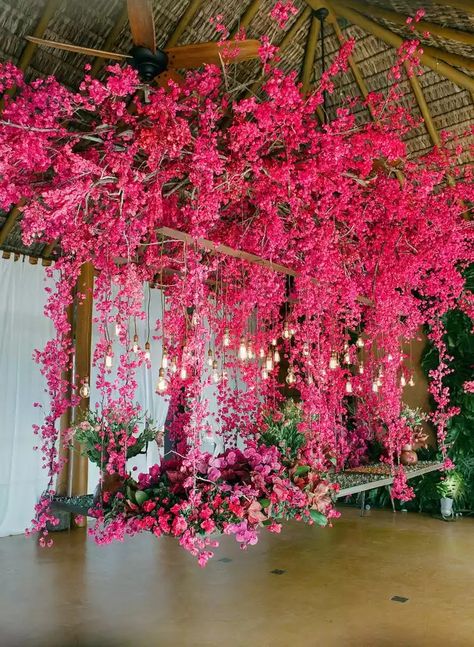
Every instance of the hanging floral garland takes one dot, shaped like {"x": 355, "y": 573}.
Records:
{"x": 376, "y": 243}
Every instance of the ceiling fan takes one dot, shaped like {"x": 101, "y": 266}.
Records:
{"x": 157, "y": 64}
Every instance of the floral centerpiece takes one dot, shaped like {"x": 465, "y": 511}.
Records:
{"x": 236, "y": 492}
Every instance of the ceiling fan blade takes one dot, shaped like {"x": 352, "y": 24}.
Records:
{"x": 169, "y": 75}
{"x": 229, "y": 51}
{"x": 142, "y": 23}
{"x": 88, "y": 51}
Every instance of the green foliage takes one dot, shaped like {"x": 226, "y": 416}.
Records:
{"x": 452, "y": 486}
{"x": 460, "y": 345}
{"x": 97, "y": 435}
{"x": 282, "y": 430}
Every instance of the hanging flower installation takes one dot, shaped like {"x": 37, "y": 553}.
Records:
{"x": 375, "y": 244}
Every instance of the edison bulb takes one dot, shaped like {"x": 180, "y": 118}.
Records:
{"x": 269, "y": 363}
{"x": 215, "y": 377}
{"x": 118, "y": 329}
{"x": 261, "y": 353}
{"x": 348, "y": 387}
{"x": 250, "y": 353}
{"x": 360, "y": 342}
{"x": 264, "y": 373}
{"x": 361, "y": 369}
{"x": 162, "y": 384}
{"x": 135, "y": 344}
{"x": 164, "y": 359}
{"x": 390, "y": 357}
{"x": 375, "y": 387}
{"x": 333, "y": 363}
{"x": 286, "y": 331}
{"x": 403, "y": 381}
{"x": 195, "y": 319}
{"x": 173, "y": 366}
{"x": 147, "y": 351}
{"x": 243, "y": 349}
{"x": 226, "y": 338}
{"x": 276, "y": 356}
{"x": 108, "y": 357}
{"x": 306, "y": 349}
{"x": 85, "y": 391}
{"x": 274, "y": 341}
{"x": 183, "y": 374}
{"x": 347, "y": 358}
{"x": 310, "y": 380}
{"x": 224, "y": 376}
{"x": 209, "y": 357}
{"x": 411, "y": 381}
{"x": 290, "y": 378}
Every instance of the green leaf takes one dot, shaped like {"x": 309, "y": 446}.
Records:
{"x": 302, "y": 470}
{"x": 319, "y": 518}
{"x": 264, "y": 502}
{"x": 141, "y": 497}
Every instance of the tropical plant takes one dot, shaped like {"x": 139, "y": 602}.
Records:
{"x": 452, "y": 486}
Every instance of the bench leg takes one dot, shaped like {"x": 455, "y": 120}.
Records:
{"x": 362, "y": 503}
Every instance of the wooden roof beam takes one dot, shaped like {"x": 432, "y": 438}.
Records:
{"x": 463, "y": 5}
{"x": 400, "y": 19}
{"x": 183, "y": 23}
{"x": 389, "y": 37}
{"x": 310, "y": 53}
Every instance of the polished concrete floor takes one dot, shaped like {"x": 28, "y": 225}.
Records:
{"x": 331, "y": 587}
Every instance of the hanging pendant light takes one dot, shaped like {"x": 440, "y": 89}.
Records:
{"x": 108, "y": 357}
{"x": 333, "y": 362}
{"x": 243, "y": 349}
{"x": 162, "y": 385}
{"x": 209, "y": 357}
{"x": 290, "y": 378}
{"x": 226, "y": 338}
{"x": 269, "y": 362}
{"x": 348, "y": 386}
{"x": 85, "y": 391}
{"x": 135, "y": 346}
{"x": 276, "y": 356}
{"x": 147, "y": 351}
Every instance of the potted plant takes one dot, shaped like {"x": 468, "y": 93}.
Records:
{"x": 451, "y": 488}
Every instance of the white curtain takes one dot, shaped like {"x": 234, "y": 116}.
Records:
{"x": 23, "y": 328}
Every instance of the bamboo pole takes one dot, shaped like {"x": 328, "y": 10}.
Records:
{"x": 425, "y": 111}
{"x": 310, "y": 53}
{"x": 183, "y": 23}
{"x": 83, "y": 335}
{"x": 10, "y": 222}
{"x": 286, "y": 40}
{"x": 401, "y": 19}
{"x": 441, "y": 68}
{"x": 247, "y": 17}
{"x": 449, "y": 57}
{"x": 114, "y": 33}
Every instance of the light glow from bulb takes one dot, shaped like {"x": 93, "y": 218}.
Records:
{"x": 226, "y": 338}
{"x": 118, "y": 329}
{"x": 411, "y": 381}
{"x": 183, "y": 374}
{"x": 85, "y": 391}
{"x": 375, "y": 387}
{"x": 264, "y": 373}
{"x": 333, "y": 363}
{"x": 243, "y": 349}
{"x": 403, "y": 381}
{"x": 348, "y": 387}
{"x": 276, "y": 356}
{"x": 269, "y": 363}
{"x": 164, "y": 359}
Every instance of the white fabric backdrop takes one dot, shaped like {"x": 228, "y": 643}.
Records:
{"x": 23, "y": 327}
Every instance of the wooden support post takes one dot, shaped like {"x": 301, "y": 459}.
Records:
{"x": 63, "y": 481}
{"x": 449, "y": 57}
{"x": 183, "y": 23}
{"x": 83, "y": 334}
{"x": 310, "y": 53}
{"x": 467, "y": 38}
{"x": 441, "y": 68}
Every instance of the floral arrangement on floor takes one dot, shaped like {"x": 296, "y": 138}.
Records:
{"x": 110, "y": 438}
{"x": 236, "y": 492}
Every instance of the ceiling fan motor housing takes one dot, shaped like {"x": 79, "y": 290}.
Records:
{"x": 148, "y": 64}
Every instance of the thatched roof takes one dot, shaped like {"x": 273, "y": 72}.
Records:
{"x": 102, "y": 24}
